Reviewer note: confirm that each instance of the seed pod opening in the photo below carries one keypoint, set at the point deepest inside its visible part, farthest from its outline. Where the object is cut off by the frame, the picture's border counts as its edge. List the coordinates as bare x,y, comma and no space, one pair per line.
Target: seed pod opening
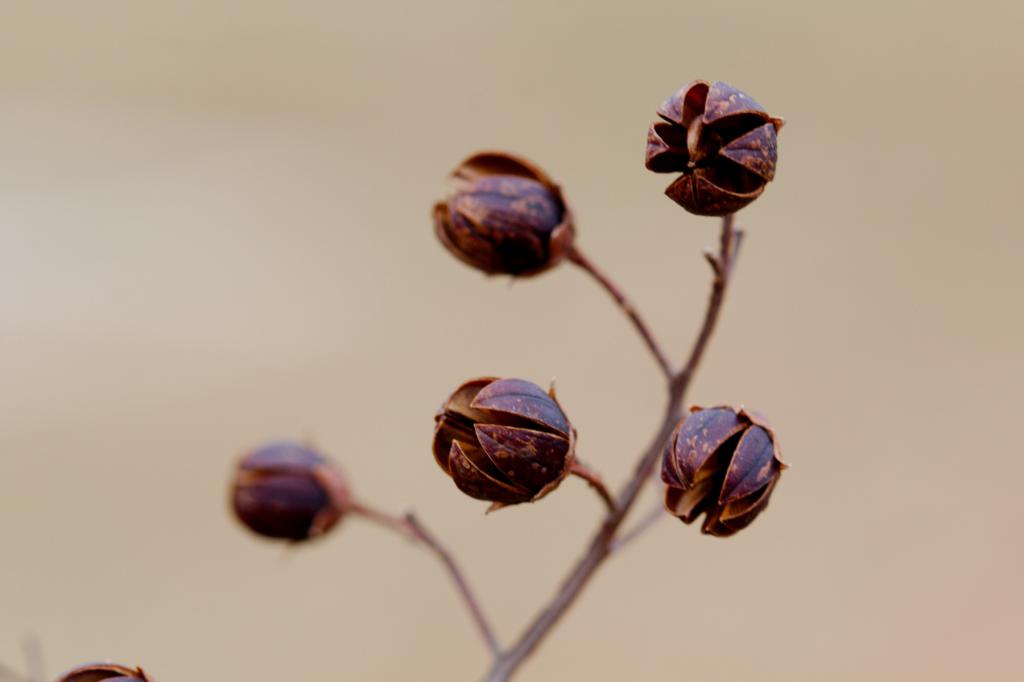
724,462
506,441
722,142
104,672
288,491
506,216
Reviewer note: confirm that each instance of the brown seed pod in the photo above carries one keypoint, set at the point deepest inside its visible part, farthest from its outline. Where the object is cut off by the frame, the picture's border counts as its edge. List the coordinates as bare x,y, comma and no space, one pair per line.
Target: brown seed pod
505,217
288,491
723,461
503,440
104,672
721,140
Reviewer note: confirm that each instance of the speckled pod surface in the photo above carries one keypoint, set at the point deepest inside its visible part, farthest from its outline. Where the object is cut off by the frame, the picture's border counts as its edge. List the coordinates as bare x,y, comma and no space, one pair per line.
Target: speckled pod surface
503,440
724,462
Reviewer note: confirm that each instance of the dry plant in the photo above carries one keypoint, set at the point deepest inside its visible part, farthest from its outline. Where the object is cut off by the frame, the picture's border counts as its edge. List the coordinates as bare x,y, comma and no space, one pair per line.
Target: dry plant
508,441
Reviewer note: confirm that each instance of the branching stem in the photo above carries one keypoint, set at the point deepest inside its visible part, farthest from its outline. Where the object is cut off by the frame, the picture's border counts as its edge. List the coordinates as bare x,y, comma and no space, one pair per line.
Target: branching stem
604,540
608,537
646,522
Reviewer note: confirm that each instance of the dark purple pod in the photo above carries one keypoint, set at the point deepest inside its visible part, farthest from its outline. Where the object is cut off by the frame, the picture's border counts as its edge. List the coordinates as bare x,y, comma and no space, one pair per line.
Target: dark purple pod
722,142
724,462
288,491
503,440
505,217
104,672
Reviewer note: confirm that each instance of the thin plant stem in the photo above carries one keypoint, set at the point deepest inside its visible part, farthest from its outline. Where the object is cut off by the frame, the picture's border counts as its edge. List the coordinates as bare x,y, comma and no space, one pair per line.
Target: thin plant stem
721,265
577,257
646,522
601,545
596,482
413,529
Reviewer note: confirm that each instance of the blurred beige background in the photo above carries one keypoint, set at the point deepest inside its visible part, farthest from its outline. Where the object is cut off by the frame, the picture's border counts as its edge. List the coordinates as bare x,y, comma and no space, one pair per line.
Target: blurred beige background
214,230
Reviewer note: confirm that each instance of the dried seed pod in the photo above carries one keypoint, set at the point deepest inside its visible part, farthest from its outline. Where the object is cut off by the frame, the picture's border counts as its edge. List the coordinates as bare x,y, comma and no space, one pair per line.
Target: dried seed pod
105,672
503,440
288,491
505,217
721,140
724,462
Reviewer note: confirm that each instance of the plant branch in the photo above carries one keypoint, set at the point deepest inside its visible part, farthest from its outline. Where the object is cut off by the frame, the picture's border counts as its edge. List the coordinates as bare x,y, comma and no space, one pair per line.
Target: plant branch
577,257
603,541
646,522
721,266
411,527
594,480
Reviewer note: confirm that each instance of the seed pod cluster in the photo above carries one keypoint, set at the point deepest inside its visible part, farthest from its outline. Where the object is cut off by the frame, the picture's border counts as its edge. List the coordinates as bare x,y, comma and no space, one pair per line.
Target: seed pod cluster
104,672
505,217
503,440
289,491
724,462
721,140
